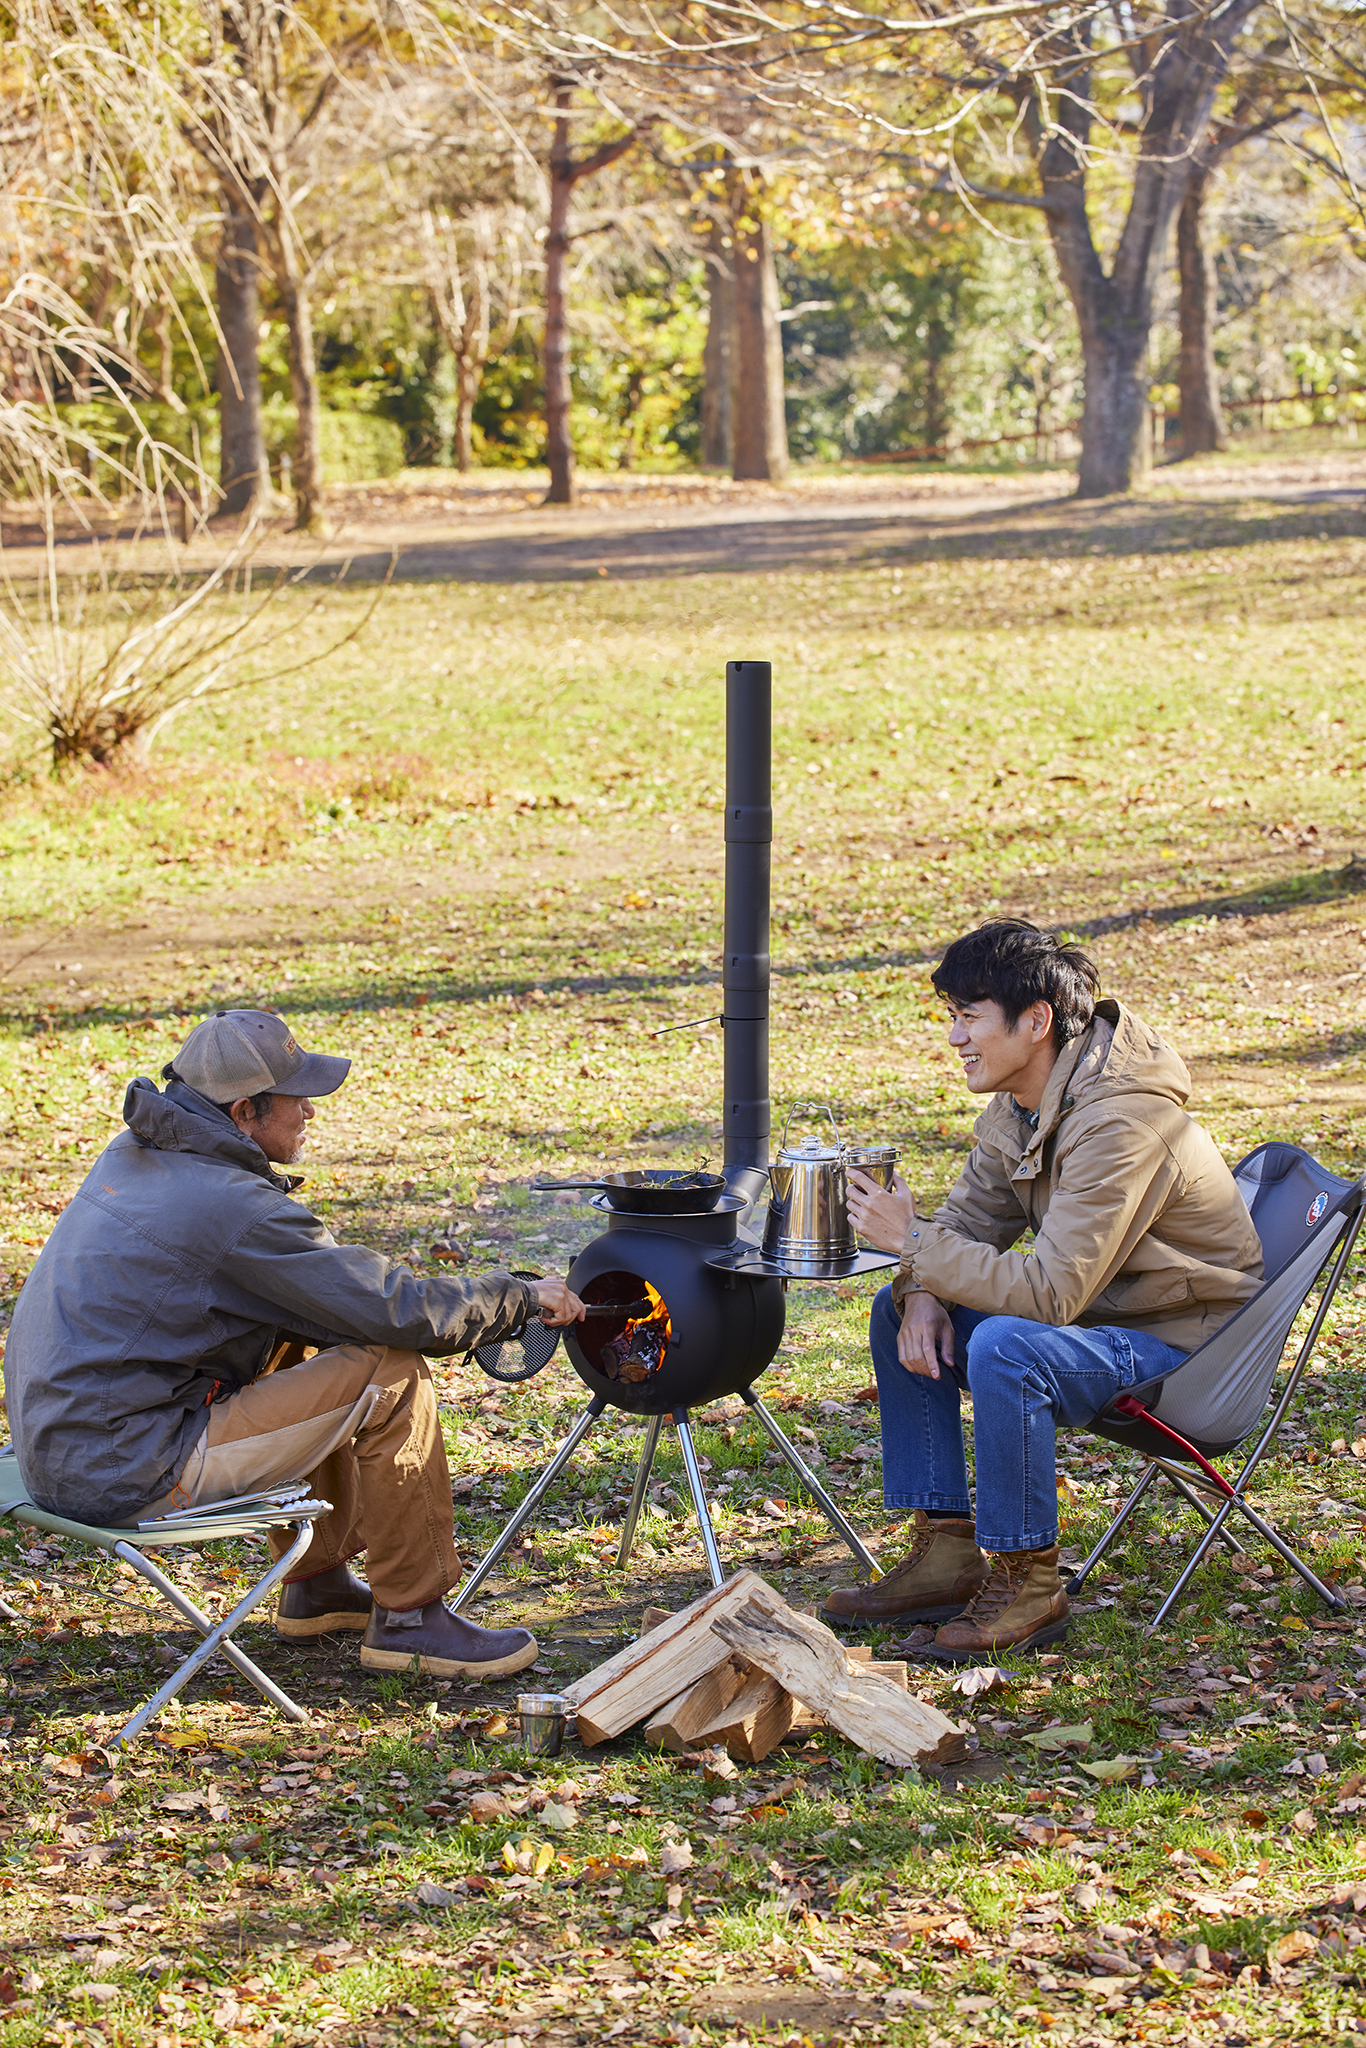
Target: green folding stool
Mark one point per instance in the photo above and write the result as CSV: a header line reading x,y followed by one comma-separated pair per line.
x,y
249,1515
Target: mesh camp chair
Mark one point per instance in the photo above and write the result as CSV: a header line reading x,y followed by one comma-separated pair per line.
x,y
250,1515
1211,1405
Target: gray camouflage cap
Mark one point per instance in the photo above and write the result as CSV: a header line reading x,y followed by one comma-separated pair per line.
x,y
247,1052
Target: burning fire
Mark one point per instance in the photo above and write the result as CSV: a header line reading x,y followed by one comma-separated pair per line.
x,y
638,1353
658,1313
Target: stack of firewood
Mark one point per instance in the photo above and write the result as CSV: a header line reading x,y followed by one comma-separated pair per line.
x,y
740,1669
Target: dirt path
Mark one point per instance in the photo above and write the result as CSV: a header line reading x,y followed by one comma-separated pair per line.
x,y
494,526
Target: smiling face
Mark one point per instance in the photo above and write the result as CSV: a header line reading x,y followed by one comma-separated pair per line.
x,y
997,1057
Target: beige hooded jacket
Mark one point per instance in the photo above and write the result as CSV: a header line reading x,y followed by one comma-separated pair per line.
x,y
1135,1215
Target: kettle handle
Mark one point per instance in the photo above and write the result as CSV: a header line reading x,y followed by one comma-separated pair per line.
x,y
819,1109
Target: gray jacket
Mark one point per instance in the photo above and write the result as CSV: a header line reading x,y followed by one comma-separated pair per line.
x,y
167,1283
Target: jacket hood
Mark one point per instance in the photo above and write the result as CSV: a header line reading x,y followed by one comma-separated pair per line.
x,y
1117,1054
182,1120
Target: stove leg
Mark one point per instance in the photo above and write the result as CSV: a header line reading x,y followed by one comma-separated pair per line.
x,y
647,1458
699,1498
533,1500
812,1484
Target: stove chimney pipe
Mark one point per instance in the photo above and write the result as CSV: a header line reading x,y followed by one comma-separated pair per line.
x,y
746,1120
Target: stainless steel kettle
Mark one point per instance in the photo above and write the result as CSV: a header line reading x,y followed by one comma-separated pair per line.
x,y
808,1207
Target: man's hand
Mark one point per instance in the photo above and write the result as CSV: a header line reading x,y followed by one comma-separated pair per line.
x,y
925,1336
882,1215
558,1303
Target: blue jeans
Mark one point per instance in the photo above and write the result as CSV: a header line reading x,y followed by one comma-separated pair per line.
x,y
1024,1379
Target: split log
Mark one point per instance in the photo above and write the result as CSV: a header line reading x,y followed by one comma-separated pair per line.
x,y
652,1617
860,1657
639,1680
809,1661
679,1725
755,1722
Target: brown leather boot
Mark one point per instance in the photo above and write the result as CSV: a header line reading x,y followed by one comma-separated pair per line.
x,y
933,1582
1022,1606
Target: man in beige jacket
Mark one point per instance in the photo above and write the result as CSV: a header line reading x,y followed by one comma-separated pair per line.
x,y
1142,1247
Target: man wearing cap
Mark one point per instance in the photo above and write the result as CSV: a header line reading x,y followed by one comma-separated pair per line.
x,y
146,1362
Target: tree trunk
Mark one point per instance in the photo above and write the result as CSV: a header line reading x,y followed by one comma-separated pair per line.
x,y
242,473
559,444
303,383
1115,309
760,424
1202,417
474,349
938,348
1116,438
718,357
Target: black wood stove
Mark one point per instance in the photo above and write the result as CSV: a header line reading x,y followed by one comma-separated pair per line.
x,y
701,1310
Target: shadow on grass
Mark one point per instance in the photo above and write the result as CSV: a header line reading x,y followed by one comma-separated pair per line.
x,y
792,537
420,987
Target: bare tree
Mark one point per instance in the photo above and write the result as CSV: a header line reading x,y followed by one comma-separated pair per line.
x,y
760,426
243,478
260,89
567,172
718,357
462,315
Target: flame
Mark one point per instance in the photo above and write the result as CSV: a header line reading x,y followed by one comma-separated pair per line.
x,y
658,1313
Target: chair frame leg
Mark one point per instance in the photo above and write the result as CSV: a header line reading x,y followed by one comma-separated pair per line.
x,y
1232,1495
813,1486
1079,1578
1188,1492
217,1635
535,1495
647,1458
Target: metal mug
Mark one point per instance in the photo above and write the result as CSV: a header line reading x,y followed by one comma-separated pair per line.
x,y
877,1161
542,1716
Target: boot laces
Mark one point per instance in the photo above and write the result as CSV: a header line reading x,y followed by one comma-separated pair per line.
x,y
920,1543
1007,1573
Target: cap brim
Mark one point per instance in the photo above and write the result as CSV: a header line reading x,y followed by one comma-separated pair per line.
x,y
322,1073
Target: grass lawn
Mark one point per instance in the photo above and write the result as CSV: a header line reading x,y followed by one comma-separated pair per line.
x,y
480,851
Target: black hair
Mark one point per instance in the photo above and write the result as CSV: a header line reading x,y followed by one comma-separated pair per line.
x,y
260,1104
1015,964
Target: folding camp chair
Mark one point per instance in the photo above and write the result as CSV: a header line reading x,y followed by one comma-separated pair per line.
x,y
249,1515
1213,1403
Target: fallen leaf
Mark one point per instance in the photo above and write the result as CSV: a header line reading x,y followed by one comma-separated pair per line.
x,y
1111,1770
1293,1946
1303,1822
488,1806
1078,1735
558,1817
983,1678
1210,1856
675,1857
528,1859
430,1894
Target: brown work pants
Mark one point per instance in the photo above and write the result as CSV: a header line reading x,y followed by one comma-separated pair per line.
x,y
359,1424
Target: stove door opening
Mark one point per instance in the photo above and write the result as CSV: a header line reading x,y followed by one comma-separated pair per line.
x,y
629,1348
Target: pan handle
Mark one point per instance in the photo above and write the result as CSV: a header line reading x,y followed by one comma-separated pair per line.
x,y
539,1187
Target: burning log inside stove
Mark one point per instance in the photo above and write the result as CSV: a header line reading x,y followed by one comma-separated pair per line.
x,y
639,1351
